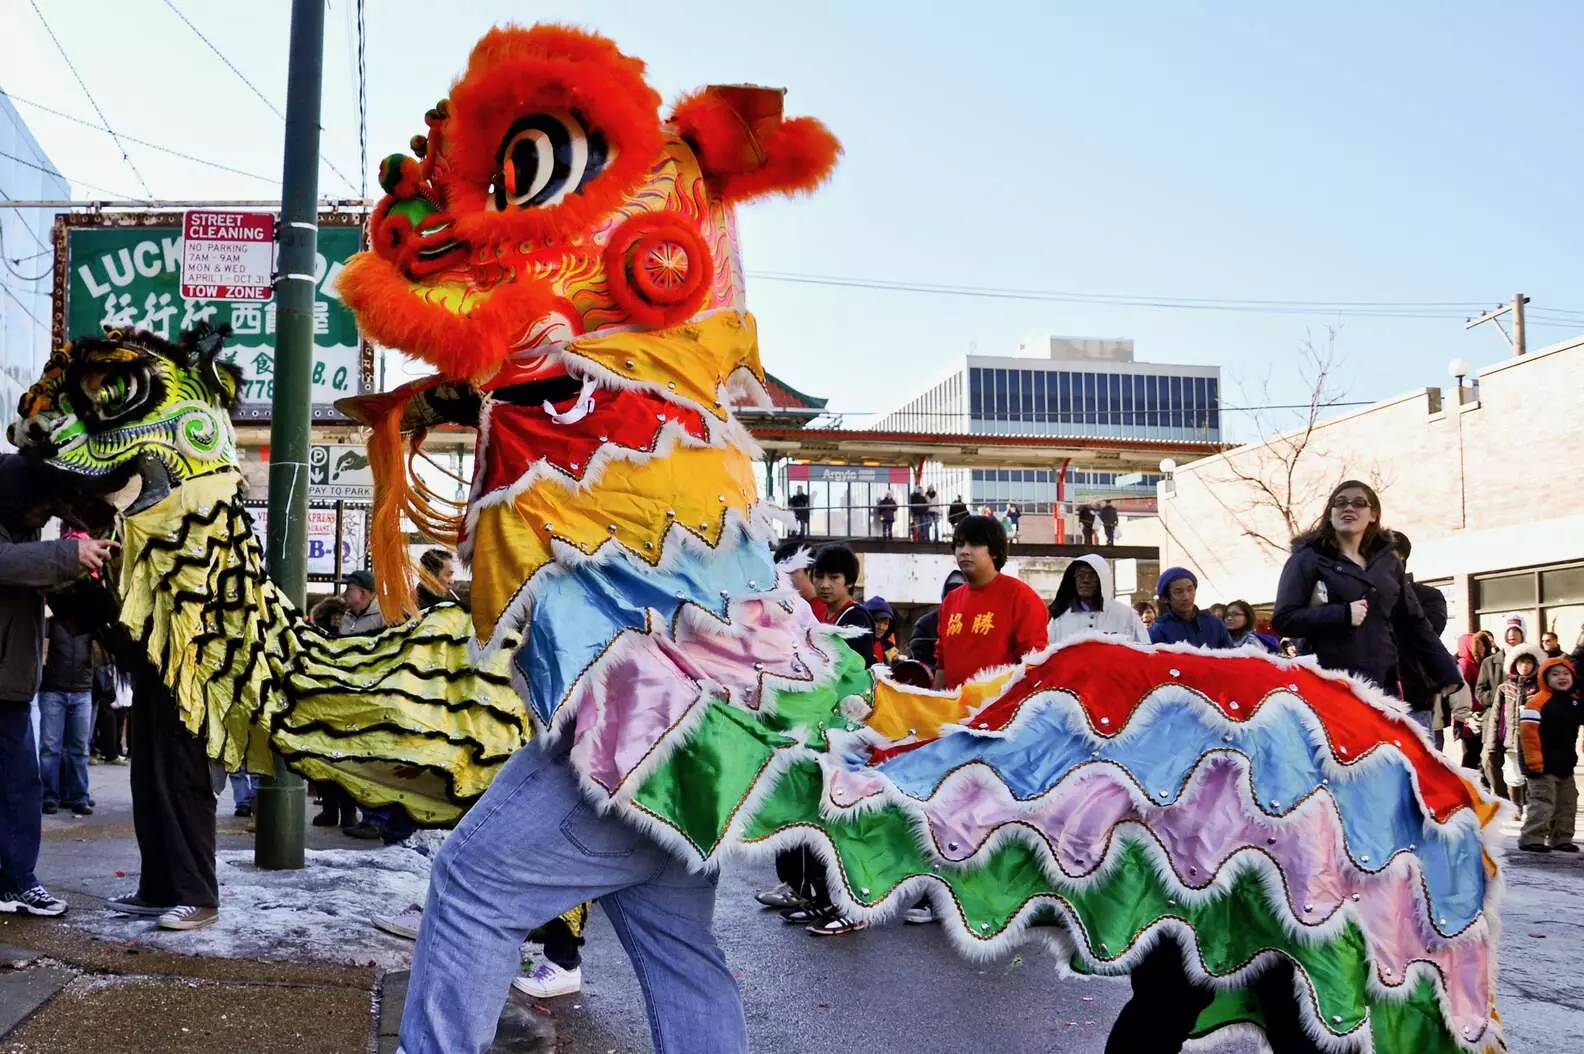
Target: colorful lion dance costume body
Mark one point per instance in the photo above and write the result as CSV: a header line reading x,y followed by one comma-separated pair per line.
x,y
568,263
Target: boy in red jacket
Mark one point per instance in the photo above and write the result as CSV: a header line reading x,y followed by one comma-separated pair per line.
x,y
992,620
996,620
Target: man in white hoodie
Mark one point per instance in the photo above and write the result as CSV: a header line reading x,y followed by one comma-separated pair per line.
x,y
1084,604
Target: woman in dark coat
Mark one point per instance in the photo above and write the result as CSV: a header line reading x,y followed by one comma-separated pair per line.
x,y
1342,591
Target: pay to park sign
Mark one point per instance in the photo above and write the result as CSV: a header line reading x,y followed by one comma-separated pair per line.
x,y
130,275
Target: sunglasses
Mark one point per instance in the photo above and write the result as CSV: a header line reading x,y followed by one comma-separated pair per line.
x,y
1351,503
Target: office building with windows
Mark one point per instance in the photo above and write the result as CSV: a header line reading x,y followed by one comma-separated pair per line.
x,y
25,240
1062,387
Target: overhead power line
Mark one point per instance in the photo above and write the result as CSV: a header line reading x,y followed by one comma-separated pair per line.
x,y
91,100
12,262
80,182
134,139
254,89
1366,308
222,57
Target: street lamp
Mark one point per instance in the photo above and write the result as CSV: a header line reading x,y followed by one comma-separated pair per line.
x,y
1168,485
1459,368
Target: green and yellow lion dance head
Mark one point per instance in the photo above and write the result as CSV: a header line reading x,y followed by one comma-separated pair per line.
x,y
127,416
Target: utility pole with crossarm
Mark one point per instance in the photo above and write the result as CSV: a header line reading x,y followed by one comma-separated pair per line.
x,y
1516,308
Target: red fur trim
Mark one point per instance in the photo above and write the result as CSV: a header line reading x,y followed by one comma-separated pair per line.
x,y
657,308
514,73
462,347
801,154
747,148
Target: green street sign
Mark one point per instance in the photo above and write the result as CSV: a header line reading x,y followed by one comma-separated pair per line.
x,y
115,273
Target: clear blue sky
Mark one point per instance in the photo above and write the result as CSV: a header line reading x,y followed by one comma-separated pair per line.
x,y
1405,152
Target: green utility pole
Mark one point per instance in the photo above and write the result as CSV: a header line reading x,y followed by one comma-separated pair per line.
x,y
282,802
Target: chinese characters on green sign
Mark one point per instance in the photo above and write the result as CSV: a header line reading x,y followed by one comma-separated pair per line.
x,y
131,276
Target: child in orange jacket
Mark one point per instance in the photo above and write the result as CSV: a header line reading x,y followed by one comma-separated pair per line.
x,y
1548,732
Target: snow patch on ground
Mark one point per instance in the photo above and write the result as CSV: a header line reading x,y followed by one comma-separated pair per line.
x,y
320,913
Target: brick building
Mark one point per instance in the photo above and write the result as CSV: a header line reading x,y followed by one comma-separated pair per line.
x,y
1483,479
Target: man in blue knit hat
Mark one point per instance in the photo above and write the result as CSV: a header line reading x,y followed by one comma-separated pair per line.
x,y
1180,620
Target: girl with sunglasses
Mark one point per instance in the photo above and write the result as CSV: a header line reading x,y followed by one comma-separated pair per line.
x,y
1342,591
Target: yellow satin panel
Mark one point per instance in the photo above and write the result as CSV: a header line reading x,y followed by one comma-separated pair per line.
x,y
901,712
633,503
690,361
154,574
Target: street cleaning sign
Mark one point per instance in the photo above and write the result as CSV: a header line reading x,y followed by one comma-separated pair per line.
x,y
125,270
228,255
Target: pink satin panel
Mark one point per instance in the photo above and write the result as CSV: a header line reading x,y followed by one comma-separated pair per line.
x,y
646,683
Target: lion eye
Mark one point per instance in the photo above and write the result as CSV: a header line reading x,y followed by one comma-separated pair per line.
x,y
543,158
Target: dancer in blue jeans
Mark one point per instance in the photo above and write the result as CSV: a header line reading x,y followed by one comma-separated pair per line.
x,y
65,703
530,849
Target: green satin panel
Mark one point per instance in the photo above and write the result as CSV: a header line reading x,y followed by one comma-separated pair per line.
x,y
1411,1025
700,788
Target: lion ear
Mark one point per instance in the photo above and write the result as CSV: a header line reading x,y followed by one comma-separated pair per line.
x,y
748,148
224,377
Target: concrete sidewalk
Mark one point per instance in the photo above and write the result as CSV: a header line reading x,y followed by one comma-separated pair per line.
x,y
293,966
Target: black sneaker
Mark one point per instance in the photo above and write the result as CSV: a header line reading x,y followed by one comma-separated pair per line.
x,y
82,808
365,831
50,808
244,810
35,901
1565,847
132,904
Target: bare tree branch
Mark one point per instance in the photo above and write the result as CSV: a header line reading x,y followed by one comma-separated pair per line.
x,y
1282,455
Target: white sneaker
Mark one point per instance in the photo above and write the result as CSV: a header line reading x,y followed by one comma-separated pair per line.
x,y
402,924
921,916
35,901
549,980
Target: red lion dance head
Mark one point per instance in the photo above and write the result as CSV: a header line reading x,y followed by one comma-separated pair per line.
x,y
553,225
550,201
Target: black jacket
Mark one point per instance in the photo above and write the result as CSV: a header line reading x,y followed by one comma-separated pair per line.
x,y
1418,683
1394,628
856,616
921,645
69,665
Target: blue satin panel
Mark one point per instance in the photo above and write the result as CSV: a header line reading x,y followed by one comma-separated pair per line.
x,y
578,610
1380,812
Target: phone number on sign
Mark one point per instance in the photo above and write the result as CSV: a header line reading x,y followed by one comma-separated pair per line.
x,y
264,388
